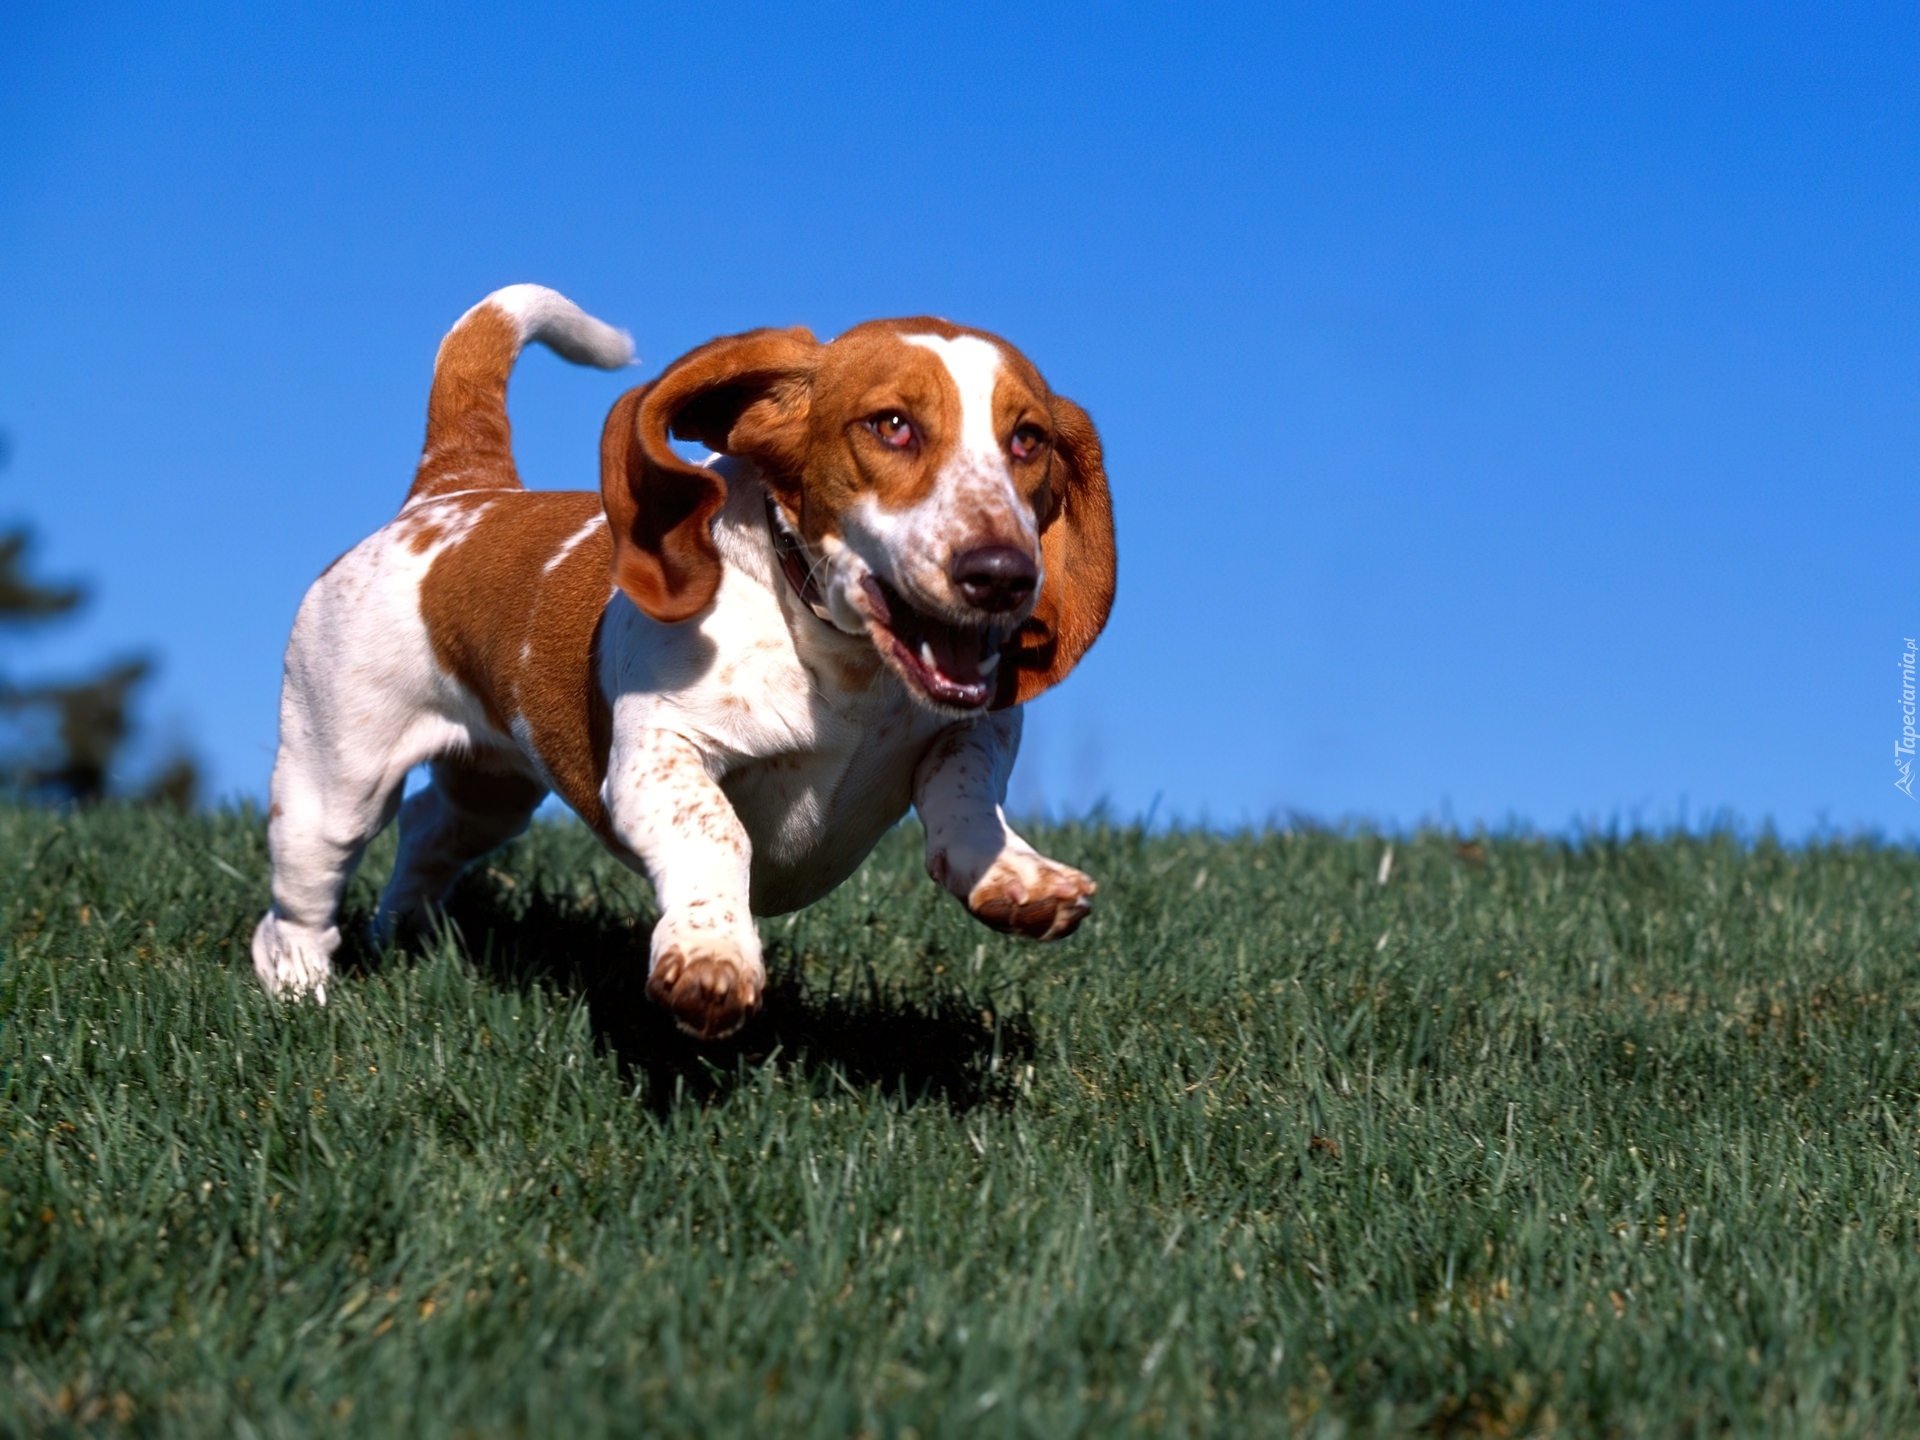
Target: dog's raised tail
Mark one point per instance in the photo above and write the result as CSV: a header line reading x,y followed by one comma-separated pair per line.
x,y
469,444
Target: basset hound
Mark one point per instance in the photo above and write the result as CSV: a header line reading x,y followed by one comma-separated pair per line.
x,y
739,673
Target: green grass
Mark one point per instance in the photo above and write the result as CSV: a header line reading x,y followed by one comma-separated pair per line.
x,y
1615,1137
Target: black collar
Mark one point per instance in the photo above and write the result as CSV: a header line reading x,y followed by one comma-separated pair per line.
x,y
795,562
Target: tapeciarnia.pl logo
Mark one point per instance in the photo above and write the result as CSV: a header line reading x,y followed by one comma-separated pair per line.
x,y
1903,747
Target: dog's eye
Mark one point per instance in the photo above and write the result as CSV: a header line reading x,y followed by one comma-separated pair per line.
x,y
1026,442
893,428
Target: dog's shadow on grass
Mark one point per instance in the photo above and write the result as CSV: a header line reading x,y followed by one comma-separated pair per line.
x,y
846,1030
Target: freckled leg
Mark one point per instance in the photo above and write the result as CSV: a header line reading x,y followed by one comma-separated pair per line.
x,y
463,814
1004,882
671,812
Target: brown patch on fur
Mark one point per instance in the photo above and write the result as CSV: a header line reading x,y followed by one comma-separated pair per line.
x,y
661,507
856,671
525,640
469,443
422,531
1077,549
865,373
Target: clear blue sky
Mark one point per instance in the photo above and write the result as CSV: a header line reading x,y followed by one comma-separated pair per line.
x,y
1511,410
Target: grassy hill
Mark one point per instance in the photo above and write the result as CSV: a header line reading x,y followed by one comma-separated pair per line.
x,y
1535,1137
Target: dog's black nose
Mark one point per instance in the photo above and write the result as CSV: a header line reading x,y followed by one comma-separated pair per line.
x,y
995,577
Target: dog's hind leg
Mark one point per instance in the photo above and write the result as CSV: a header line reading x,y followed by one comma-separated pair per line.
x,y
356,714
463,814
318,826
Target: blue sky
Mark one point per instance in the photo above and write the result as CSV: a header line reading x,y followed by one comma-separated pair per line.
x,y
1511,412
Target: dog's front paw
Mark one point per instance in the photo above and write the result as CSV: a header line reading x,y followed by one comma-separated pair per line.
x,y
1033,896
710,980
293,960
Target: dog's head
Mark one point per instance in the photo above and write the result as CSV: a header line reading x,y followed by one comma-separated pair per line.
x,y
948,504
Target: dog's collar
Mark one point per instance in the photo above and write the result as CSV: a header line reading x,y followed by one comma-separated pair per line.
x,y
795,562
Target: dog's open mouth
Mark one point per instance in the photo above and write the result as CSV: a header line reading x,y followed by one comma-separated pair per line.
x,y
953,664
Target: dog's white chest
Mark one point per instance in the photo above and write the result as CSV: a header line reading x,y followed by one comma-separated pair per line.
x,y
814,814
814,741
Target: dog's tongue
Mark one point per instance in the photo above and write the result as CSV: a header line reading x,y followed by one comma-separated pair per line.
x,y
958,654
952,663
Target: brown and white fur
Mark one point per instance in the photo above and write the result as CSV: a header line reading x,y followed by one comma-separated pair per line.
x,y
739,673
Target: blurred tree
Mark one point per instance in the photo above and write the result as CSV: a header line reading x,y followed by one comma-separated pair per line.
x,y
59,741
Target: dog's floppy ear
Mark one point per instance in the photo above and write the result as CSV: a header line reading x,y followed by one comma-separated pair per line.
x,y
1077,554
740,395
